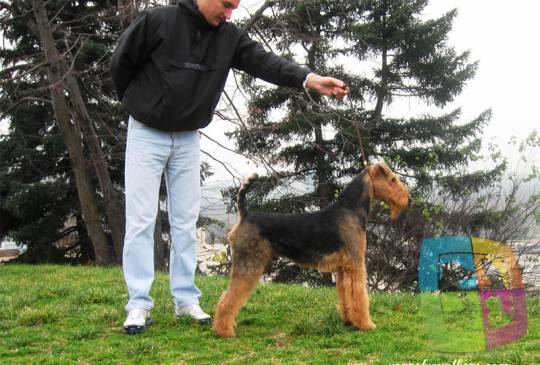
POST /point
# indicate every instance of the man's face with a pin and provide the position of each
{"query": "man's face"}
(217, 11)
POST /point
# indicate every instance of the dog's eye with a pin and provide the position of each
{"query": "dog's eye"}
(393, 180)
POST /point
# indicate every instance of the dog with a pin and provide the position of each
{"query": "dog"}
(331, 240)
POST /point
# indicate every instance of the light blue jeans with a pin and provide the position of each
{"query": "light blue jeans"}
(149, 153)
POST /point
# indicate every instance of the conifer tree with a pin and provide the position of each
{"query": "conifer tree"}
(386, 51)
(38, 188)
(36, 166)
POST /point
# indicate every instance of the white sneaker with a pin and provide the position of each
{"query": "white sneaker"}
(194, 311)
(137, 320)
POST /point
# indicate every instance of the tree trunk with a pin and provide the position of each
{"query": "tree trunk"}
(114, 207)
(161, 249)
(322, 168)
(113, 204)
(382, 88)
(86, 250)
(127, 10)
(324, 189)
(72, 138)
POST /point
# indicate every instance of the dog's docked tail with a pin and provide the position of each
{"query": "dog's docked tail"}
(241, 203)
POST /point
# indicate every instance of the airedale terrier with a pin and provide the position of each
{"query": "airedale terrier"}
(331, 240)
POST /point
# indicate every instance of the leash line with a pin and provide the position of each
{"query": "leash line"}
(356, 127)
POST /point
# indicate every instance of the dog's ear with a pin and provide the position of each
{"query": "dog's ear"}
(381, 168)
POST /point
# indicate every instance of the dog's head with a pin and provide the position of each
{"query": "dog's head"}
(388, 187)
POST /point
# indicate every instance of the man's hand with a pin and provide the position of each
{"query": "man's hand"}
(328, 86)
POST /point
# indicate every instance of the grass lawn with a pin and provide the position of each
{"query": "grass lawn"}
(66, 315)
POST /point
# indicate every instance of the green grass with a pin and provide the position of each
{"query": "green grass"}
(65, 315)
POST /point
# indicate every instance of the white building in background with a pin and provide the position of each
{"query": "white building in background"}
(10, 245)
(211, 246)
(10, 250)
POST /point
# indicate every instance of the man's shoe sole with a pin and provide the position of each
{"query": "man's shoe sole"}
(202, 321)
(133, 330)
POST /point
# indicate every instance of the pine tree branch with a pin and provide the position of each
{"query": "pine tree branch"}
(13, 106)
(261, 158)
(235, 177)
(219, 144)
(258, 14)
(4, 5)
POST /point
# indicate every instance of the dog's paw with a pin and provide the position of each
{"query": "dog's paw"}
(367, 326)
(223, 331)
(345, 321)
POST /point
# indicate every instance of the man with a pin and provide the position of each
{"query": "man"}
(169, 70)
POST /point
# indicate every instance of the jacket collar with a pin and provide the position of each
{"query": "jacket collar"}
(198, 17)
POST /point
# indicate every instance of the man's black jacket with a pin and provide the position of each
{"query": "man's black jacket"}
(170, 66)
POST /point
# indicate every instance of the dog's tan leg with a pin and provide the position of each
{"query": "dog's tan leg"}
(244, 278)
(240, 288)
(343, 308)
(357, 298)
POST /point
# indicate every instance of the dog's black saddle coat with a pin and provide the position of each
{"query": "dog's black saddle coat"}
(307, 237)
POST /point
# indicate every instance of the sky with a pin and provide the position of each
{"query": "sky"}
(502, 36)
